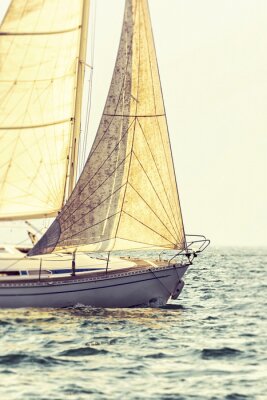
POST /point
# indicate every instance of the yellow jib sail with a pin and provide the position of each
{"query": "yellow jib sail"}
(41, 43)
(126, 196)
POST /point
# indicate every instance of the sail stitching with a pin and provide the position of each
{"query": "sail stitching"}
(155, 191)
(160, 177)
(40, 188)
(148, 205)
(148, 227)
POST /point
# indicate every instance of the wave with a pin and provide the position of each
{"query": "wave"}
(82, 351)
(15, 359)
(220, 353)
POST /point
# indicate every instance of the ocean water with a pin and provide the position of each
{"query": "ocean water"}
(211, 343)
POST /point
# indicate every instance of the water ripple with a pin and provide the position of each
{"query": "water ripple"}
(210, 344)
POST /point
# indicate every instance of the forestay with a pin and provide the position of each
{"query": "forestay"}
(126, 196)
(39, 52)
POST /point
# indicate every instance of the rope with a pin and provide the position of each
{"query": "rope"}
(160, 282)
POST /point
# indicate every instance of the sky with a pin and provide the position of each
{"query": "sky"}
(213, 66)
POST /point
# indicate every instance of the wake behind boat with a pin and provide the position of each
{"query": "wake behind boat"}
(126, 197)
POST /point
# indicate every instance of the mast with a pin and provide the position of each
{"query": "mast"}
(78, 101)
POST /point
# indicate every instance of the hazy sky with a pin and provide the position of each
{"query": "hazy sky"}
(213, 65)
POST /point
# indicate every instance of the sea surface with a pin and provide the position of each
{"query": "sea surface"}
(211, 343)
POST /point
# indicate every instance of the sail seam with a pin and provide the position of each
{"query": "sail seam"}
(135, 116)
(63, 121)
(76, 28)
(52, 79)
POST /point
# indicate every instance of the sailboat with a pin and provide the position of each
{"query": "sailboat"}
(125, 200)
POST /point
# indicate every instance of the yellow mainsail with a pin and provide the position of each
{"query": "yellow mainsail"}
(42, 44)
(126, 196)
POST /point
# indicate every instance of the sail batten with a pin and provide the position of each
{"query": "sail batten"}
(39, 47)
(126, 197)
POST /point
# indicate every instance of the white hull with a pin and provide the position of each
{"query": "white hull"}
(151, 286)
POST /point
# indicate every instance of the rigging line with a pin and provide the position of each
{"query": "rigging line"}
(40, 33)
(136, 105)
(95, 146)
(90, 210)
(152, 81)
(156, 192)
(88, 181)
(148, 227)
(90, 81)
(91, 194)
(161, 179)
(151, 210)
(178, 209)
(151, 270)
